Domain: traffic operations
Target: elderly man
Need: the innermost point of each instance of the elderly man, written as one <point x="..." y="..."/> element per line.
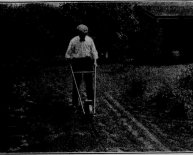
<point x="82" y="55"/>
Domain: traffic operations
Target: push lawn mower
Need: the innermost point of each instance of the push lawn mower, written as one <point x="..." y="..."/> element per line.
<point x="88" y="106"/>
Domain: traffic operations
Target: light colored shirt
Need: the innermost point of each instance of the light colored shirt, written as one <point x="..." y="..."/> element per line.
<point x="81" y="49"/>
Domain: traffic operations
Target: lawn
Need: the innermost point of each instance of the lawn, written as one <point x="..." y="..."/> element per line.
<point x="158" y="96"/>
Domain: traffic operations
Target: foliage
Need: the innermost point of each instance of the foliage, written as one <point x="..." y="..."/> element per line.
<point x="167" y="87"/>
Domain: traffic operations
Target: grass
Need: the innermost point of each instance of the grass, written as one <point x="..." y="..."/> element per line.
<point x="159" y="96"/>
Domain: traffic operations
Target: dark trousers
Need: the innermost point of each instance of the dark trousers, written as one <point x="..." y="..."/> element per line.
<point x="83" y="64"/>
<point x="87" y="77"/>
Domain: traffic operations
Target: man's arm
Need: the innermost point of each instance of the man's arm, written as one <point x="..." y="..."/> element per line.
<point x="94" y="53"/>
<point x="69" y="51"/>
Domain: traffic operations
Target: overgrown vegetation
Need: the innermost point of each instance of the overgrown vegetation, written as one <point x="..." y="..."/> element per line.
<point x="42" y="102"/>
<point x="159" y="96"/>
<point x="169" y="87"/>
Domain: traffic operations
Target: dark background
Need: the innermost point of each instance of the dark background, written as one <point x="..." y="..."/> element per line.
<point x="40" y="32"/>
<point x="34" y="33"/>
<point x="43" y="31"/>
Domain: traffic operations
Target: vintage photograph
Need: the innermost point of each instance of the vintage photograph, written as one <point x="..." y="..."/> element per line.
<point x="92" y="77"/>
